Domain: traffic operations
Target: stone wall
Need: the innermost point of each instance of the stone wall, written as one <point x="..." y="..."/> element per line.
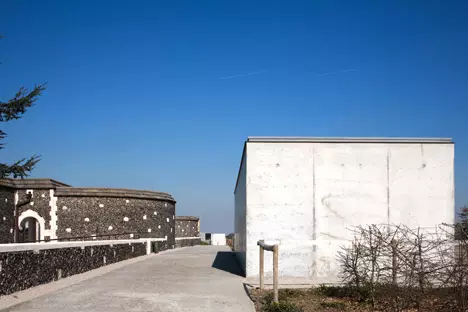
<point x="40" y="204"/>
<point x="67" y="213"/>
<point x="187" y="242"/>
<point x="7" y="218"/>
<point x="98" y="212"/>
<point x="187" y="226"/>
<point x="28" y="265"/>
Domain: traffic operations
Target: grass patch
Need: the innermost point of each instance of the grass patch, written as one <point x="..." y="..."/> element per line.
<point x="281" y="306"/>
<point x="319" y="299"/>
<point x="333" y="305"/>
<point x="283" y="295"/>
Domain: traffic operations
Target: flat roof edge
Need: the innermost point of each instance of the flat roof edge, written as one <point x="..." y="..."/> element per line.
<point x="347" y="140"/>
<point x="112" y="192"/>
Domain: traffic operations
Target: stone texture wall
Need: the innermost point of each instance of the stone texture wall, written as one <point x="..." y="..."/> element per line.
<point x="24" y="269"/>
<point x="40" y="203"/>
<point x="160" y="246"/>
<point x="7" y="218"/>
<point x="187" y="226"/>
<point x="187" y="242"/>
<point x="87" y="216"/>
<point x="66" y="213"/>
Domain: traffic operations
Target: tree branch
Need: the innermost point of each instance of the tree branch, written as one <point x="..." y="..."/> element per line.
<point x="17" y="106"/>
<point x="19" y="169"/>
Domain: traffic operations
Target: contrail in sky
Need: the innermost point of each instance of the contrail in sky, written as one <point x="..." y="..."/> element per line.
<point x="335" y="72"/>
<point x="243" y="75"/>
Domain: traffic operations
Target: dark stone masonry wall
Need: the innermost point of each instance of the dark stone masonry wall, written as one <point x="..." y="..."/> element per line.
<point x="89" y="212"/>
<point x="7" y="218"/>
<point x="24" y="269"/>
<point x="187" y="242"/>
<point x="40" y="203"/>
<point x="187" y="226"/>
<point x="94" y="213"/>
<point x="160" y="246"/>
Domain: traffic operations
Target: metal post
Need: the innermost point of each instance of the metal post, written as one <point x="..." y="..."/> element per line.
<point x="275" y="273"/>
<point x="262" y="252"/>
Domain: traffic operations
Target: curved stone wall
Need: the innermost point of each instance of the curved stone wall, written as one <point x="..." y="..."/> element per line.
<point x="187" y="226"/>
<point x="114" y="213"/>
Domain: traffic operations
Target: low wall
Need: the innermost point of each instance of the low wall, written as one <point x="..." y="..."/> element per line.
<point x="187" y="241"/>
<point x="27" y="265"/>
<point x="187" y="226"/>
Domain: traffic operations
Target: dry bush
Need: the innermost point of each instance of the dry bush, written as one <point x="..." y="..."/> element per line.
<point x="396" y="268"/>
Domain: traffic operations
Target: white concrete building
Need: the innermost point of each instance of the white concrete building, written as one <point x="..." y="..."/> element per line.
<point x="218" y="239"/>
<point x="305" y="193"/>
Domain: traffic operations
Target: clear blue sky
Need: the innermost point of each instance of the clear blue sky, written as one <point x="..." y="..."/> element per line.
<point x="139" y="94"/>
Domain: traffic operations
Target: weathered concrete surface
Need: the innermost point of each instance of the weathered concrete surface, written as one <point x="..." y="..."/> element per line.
<point x="201" y="278"/>
<point x="306" y="195"/>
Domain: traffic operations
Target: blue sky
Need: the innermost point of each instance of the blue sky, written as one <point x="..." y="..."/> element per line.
<point x="141" y="94"/>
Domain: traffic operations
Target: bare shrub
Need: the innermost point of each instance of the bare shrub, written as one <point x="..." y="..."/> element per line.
<point x="396" y="268"/>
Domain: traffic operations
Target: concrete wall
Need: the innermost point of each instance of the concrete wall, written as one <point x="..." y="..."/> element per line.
<point x="27" y="265"/>
<point x="186" y="226"/>
<point x="240" y="197"/>
<point x="306" y="195"/>
<point x="7" y="218"/>
<point x="218" y="239"/>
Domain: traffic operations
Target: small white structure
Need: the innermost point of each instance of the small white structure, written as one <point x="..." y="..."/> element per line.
<point x="305" y="194"/>
<point x="218" y="239"/>
<point x="205" y="237"/>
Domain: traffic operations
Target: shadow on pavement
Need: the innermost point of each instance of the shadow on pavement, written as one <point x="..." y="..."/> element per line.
<point x="226" y="261"/>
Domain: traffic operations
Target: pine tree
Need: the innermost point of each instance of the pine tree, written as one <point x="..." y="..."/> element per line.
<point x="11" y="110"/>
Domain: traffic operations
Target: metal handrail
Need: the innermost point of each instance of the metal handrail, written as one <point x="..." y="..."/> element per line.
<point x="274" y="249"/>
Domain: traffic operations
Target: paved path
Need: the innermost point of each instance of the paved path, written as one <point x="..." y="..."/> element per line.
<point x="201" y="278"/>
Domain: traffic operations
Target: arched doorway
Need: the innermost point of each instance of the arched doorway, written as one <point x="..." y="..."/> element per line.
<point x="31" y="227"/>
<point x="30" y="230"/>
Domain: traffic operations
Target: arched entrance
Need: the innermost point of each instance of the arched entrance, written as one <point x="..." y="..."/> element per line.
<point x="31" y="227"/>
<point x="30" y="230"/>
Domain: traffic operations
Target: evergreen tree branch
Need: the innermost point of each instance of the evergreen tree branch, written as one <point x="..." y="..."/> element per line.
<point x="19" y="169"/>
<point x="14" y="109"/>
<point x="17" y="106"/>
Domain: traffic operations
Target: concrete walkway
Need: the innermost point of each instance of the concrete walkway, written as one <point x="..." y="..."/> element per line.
<point x="201" y="278"/>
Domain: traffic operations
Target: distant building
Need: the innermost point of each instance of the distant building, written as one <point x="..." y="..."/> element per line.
<point x="305" y="193"/>
<point x="218" y="239"/>
<point x="205" y="237"/>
